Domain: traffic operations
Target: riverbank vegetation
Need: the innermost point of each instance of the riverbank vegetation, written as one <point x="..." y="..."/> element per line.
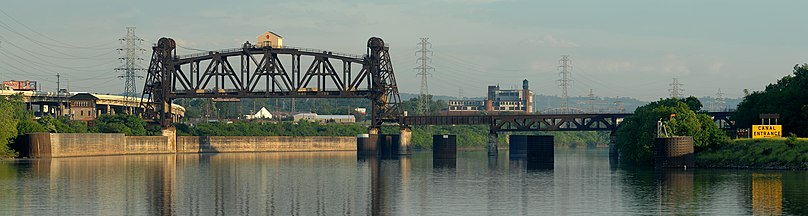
<point x="785" y="97"/>
<point x="16" y="121"/>
<point x="778" y="153"/>
<point x="681" y="117"/>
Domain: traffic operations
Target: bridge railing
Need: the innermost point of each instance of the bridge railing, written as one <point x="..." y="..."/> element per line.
<point x="311" y="50"/>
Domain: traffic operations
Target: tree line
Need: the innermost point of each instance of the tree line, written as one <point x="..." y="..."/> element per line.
<point x="786" y="97"/>
<point x="16" y="121"/>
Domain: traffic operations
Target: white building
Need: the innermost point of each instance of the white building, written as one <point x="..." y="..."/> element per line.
<point x="261" y="114"/>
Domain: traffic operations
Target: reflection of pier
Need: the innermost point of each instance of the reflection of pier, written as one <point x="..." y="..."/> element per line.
<point x="384" y="174"/>
<point x="675" y="189"/>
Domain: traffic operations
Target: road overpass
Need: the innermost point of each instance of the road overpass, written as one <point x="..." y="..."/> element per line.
<point x="53" y="103"/>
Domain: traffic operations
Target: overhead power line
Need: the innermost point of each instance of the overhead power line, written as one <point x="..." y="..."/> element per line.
<point x="57" y="43"/>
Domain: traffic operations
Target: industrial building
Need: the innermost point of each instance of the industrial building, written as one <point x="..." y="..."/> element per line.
<point x="313" y="117"/>
<point x="498" y="100"/>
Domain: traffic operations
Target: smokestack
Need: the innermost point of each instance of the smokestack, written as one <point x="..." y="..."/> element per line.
<point x="525" y="84"/>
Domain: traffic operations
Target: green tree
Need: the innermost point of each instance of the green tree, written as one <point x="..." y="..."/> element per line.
<point x="126" y="124"/>
<point x="635" y="138"/>
<point x="8" y="126"/>
<point x="787" y="97"/>
<point x="62" y="124"/>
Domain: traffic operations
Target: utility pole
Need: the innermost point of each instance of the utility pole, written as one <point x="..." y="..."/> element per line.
<point x="58" y="93"/>
<point x="423" y="71"/>
<point x="565" y="81"/>
<point x="131" y="47"/>
<point x="676" y="89"/>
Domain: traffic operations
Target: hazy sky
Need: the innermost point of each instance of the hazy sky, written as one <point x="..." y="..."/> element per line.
<point x="618" y="48"/>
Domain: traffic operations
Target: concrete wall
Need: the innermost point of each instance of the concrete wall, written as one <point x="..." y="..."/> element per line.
<point x="44" y="145"/>
<point x="90" y="144"/>
<point x="147" y="145"/>
<point x="208" y="144"/>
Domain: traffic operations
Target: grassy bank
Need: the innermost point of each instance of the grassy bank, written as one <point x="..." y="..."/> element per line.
<point x="784" y="153"/>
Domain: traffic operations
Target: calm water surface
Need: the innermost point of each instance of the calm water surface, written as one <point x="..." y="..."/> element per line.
<point x="316" y="183"/>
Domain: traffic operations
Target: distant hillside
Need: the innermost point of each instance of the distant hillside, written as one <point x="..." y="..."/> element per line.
<point x="711" y="104"/>
<point x="599" y="104"/>
<point x="621" y="104"/>
<point x="407" y="96"/>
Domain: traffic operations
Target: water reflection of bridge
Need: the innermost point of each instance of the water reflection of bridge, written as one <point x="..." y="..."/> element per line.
<point x="337" y="183"/>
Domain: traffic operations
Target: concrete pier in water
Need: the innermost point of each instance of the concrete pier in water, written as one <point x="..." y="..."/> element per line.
<point x="444" y="151"/>
<point x="517" y="146"/>
<point x="540" y="152"/>
<point x="493" y="140"/>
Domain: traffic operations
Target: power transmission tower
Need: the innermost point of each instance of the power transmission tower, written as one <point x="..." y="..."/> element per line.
<point x="460" y="94"/>
<point x="676" y="89"/>
<point x="423" y="71"/>
<point x="591" y="101"/>
<point x="566" y="80"/>
<point x="720" y="101"/>
<point x="130" y="67"/>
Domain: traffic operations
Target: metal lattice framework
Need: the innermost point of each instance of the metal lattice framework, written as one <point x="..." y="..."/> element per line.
<point x="267" y="72"/>
<point x="551" y="122"/>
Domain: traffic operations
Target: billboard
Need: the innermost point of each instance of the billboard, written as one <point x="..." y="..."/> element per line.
<point x="21" y="85"/>
<point x="767" y="131"/>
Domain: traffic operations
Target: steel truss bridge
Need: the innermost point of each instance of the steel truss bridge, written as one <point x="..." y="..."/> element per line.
<point x="552" y="122"/>
<point x="266" y="72"/>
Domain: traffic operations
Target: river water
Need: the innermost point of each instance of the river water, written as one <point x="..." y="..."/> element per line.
<point x="581" y="182"/>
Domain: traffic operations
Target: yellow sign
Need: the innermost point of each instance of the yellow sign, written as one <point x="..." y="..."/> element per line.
<point x="767" y="131"/>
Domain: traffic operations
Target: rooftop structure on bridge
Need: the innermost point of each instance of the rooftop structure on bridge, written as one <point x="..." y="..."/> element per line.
<point x="498" y="100"/>
<point x="270" y="39"/>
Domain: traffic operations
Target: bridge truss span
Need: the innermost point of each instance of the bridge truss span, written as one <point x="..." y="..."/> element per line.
<point x="558" y="122"/>
<point x="267" y="72"/>
<point x="548" y="122"/>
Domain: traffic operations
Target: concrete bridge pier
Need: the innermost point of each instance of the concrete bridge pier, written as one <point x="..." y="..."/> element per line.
<point x="493" y="139"/>
<point x="613" y="153"/>
<point x="444" y="151"/>
<point x="171" y="134"/>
